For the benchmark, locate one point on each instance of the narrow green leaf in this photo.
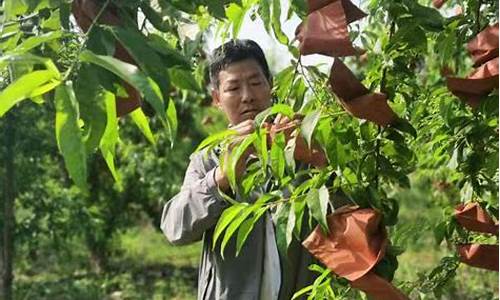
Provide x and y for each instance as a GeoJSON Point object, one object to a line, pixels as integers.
{"type": "Point", "coordinates": [154, 17]}
{"type": "Point", "coordinates": [246, 227]}
{"type": "Point", "coordinates": [235, 224]}
{"type": "Point", "coordinates": [225, 219]}
{"type": "Point", "coordinates": [275, 109]}
{"type": "Point", "coordinates": [183, 79]}
{"type": "Point", "coordinates": [216, 138]}
{"type": "Point", "coordinates": [302, 291]}
{"type": "Point", "coordinates": [172, 121]}
{"type": "Point", "coordinates": [110, 136]}
{"type": "Point", "coordinates": [137, 45]}
{"type": "Point", "coordinates": [142, 123]}
{"type": "Point", "coordinates": [235, 156]}
{"type": "Point", "coordinates": [68, 135]}
{"type": "Point", "coordinates": [281, 225]}
{"type": "Point", "coordinates": [131, 74]}
{"type": "Point", "coordinates": [12, 8]}
{"type": "Point", "coordinates": [27, 58]}
{"type": "Point", "coordinates": [308, 125]}
{"type": "Point", "coordinates": [404, 126]}
{"type": "Point", "coordinates": [171, 56]}
{"type": "Point", "coordinates": [45, 88]}
{"type": "Point", "coordinates": [265, 14]}
{"type": "Point", "coordinates": [23, 88]}
{"type": "Point", "coordinates": [236, 15]}
{"type": "Point", "coordinates": [260, 145]}
{"type": "Point", "coordinates": [317, 202]}
{"type": "Point", "coordinates": [35, 41]}
{"type": "Point", "coordinates": [276, 22]}
{"type": "Point", "coordinates": [278, 156]}
{"type": "Point", "coordinates": [290, 225]}
{"type": "Point", "coordinates": [298, 206]}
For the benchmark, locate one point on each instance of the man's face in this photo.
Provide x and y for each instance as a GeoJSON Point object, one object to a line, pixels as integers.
{"type": "Point", "coordinates": [243, 91]}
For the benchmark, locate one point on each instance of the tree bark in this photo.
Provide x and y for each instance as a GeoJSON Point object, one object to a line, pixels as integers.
{"type": "Point", "coordinates": [7, 245]}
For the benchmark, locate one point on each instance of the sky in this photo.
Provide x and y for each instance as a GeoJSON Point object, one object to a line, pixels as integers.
{"type": "Point", "coordinates": [276, 53]}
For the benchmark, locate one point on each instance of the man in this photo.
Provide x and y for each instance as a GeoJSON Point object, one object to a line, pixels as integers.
{"type": "Point", "coordinates": [241, 88]}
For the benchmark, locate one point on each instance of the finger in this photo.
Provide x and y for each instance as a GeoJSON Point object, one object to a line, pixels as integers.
{"type": "Point", "coordinates": [277, 120]}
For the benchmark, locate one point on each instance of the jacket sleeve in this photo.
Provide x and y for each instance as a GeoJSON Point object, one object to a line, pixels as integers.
{"type": "Point", "coordinates": [195, 208]}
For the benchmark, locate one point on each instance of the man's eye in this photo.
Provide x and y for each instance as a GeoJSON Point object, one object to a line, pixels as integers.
{"type": "Point", "coordinates": [232, 88]}
{"type": "Point", "coordinates": [256, 83]}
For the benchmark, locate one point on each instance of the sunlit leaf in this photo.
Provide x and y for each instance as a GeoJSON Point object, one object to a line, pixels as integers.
{"type": "Point", "coordinates": [24, 87]}
{"type": "Point", "coordinates": [68, 135]}
{"type": "Point", "coordinates": [246, 227]}
{"type": "Point", "coordinates": [309, 124]}
{"type": "Point", "coordinates": [317, 202]}
{"type": "Point", "coordinates": [110, 136]}
{"type": "Point", "coordinates": [142, 123]}
{"type": "Point", "coordinates": [131, 74]}
{"type": "Point", "coordinates": [225, 219]}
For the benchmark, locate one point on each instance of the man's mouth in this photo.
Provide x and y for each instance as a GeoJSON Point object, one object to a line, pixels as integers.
{"type": "Point", "coordinates": [250, 111]}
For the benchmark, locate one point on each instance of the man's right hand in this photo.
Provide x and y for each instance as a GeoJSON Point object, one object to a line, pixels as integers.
{"type": "Point", "coordinates": [243, 129]}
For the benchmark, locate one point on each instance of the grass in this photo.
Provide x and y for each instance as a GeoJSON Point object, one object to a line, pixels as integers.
{"type": "Point", "coordinates": [144, 245]}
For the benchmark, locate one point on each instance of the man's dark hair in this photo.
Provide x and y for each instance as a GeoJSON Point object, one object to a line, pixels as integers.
{"type": "Point", "coordinates": [235, 51]}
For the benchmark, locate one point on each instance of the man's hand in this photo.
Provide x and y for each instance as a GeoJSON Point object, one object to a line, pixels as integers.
{"type": "Point", "coordinates": [314, 156]}
{"type": "Point", "coordinates": [243, 129]}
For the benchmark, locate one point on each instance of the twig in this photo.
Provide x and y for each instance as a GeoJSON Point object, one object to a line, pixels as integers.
{"type": "Point", "coordinates": [85, 36]}
{"type": "Point", "coordinates": [293, 79]}
{"type": "Point", "coordinates": [307, 80]}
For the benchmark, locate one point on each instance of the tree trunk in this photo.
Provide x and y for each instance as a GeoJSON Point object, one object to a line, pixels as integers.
{"type": "Point", "coordinates": [7, 245]}
{"type": "Point", "coordinates": [96, 243]}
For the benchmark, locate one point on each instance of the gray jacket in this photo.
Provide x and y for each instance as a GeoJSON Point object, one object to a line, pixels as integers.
{"type": "Point", "coordinates": [257, 273]}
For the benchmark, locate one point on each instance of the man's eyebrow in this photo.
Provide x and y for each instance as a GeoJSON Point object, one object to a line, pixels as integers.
{"type": "Point", "coordinates": [254, 75]}
{"type": "Point", "coordinates": [229, 81]}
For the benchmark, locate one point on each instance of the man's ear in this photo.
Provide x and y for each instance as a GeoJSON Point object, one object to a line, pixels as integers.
{"type": "Point", "coordinates": [215, 97]}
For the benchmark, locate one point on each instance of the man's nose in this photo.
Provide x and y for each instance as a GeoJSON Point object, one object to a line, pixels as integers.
{"type": "Point", "coordinates": [247, 94]}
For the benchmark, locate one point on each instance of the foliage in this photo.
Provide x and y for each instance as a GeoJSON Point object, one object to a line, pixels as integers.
{"type": "Point", "coordinates": [74, 79]}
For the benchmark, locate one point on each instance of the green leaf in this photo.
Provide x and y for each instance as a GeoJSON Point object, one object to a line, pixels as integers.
{"type": "Point", "coordinates": [225, 219]}
{"type": "Point", "coordinates": [12, 8]}
{"type": "Point", "coordinates": [290, 225]}
{"type": "Point", "coordinates": [235, 14]}
{"type": "Point", "coordinates": [171, 56]}
{"type": "Point", "coordinates": [154, 17]}
{"type": "Point", "coordinates": [35, 41]}
{"type": "Point", "coordinates": [404, 126]}
{"type": "Point", "coordinates": [24, 87]}
{"type": "Point", "coordinates": [302, 291]}
{"type": "Point", "coordinates": [265, 14]}
{"type": "Point", "coordinates": [45, 88]}
{"type": "Point", "coordinates": [282, 214]}
{"type": "Point", "coordinates": [246, 227]}
{"type": "Point", "coordinates": [68, 135]}
{"type": "Point", "coordinates": [260, 145]}
{"type": "Point", "coordinates": [110, 136]}
{"type": "Point", "coordinates": [309, 124]}
{"type": "Point", "coordinates": [235, 156]}
{"type": "Point", "coordinates": [172, 121]}
{"type": "Point", "coordinates": [216, 138]}
{"type": "Point", "coordinates": [142, 123]}
{"type": "Point", "coordinates": [235, 224]}
{"type": "Point", "coordinates": [276, 22]}
{"type": "Point", "coordinates": [278, 155]}
{"type": "Point", "coordinates": [298, 206]}
{"type": "Point", "coordinates": [16, 58]}
{"type": "Point", "coordinates": [131, 74]}
{"type": "Point", "coordinates": [183, 79]}
{"type": "Point", "coordinates": [317, 202]}
{"type": "Point", "coordinates": [137, 45]}
{"type": "Point", "coordinates": [275, 109]}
